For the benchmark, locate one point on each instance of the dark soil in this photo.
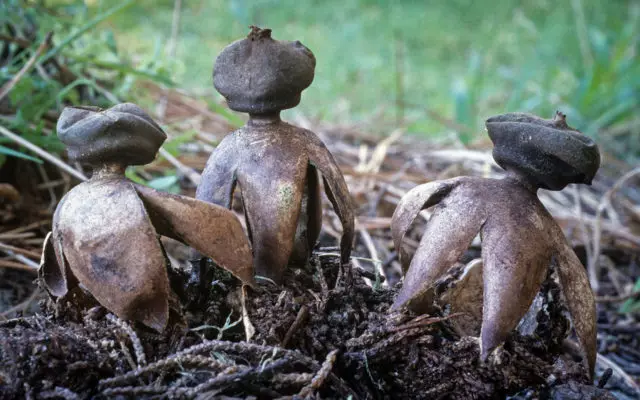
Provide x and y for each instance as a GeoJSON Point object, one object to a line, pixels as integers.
{"type": "Point", "coordinates": [325, 335]}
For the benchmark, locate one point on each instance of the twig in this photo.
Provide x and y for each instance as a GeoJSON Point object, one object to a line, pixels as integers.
{"type": "Point", "coordinates": [583, 227]}
{"type": "Point", "coordinates": [23, 43]}
{"type": "Point", "coordinates": [424, 320]}
{"type": "Point", "coordinates": [617, 299]}
{"type": "Point", "coordinates": [127, 355]}
{"type": "Point", "coordinates": [49, 157]}
{"type": "Point", "coordinates": [21, 306]}
{"type": "Point", "coordinates": [32, 225]}
{"type": "Point", "coordinates": [27, 66]}
{"type": "Point", "coordinates": [323, 281]}
{"type": "Point", "coordinates": [249, 329]}
{"type": "Point", "coordinates": [175, 28]}
{"type": "Point", "coordinates": [161, 107]}
{"type": "Point", "coordinates": [618, 371]}
{"type": "Point", "coordinates": [163, 365]}
{"type": "Point", "coordinates": [592, 267]}
{"type": "Point", "coordinates": [620, 328]}
{"type": "Point", "coordinates": [135, 341]}
{"type": "Point", "coordinates": [26, 261]}
{"type": "Point", "coordinates": [53, 200]}
{"type": "Point", "coordinates": [300, 320]}
{"type": "Point", "coordinates": [17, 265]}
{"type": "Point", "coordinates": [18, 250]}
{"type": "Point", "coordinates": [368, 242]}
{"type": "Point", "coordinates": [320, 376]}
{"type": "Point", "coordinates": [57, 393]}
{"type": "Point", "coordinates": [189, 172]}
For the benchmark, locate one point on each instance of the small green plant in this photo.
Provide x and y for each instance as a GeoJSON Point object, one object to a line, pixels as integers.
{"type": "Point", "coordinates": [633, 304]}
{"type": "Point", "coordinates": [81, 64]}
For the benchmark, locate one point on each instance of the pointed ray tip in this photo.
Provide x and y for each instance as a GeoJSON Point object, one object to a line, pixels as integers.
{"type": "Point", "coordinates": [156, 320]}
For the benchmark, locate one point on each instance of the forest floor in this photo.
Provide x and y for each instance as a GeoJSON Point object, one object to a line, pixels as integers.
{"type": "Point", "coordinates": [327, 333]}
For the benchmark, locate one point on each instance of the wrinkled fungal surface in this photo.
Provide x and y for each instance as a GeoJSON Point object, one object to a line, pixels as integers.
{"type": "Point", "coordinates": [105, 230]}
{"type": "Point", "coordinates": [275, 165]}
{"type": "Point", "coordinates": [520, 239]}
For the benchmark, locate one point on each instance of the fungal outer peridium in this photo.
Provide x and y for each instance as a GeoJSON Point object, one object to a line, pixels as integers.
{"type": "Point", "coordinates": [105, 231]}
{"type": "Point", "coordinates": [274, 164]}
{"type": "Point", "coordinates": [520, 239]}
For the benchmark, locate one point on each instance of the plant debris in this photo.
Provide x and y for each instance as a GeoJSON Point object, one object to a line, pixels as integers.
{"type": "Point", "coordinates": [347, 346]}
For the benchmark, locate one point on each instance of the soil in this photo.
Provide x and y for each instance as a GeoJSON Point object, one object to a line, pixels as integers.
{"type": "Point", "coordinates": [326, 334]}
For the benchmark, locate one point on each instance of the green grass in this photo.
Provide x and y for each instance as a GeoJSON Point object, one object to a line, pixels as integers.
{"type": "Point", "coordinates": [461, 59]}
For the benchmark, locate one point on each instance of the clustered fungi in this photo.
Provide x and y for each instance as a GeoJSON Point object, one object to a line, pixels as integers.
{"type": "Point", "coordinates": [105, 230]}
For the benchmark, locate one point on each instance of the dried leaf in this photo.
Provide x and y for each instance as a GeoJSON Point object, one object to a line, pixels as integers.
{"type": "Point", "coordinates": [210, 229]}
{"type": "Point", "coordinates": [113, 250]}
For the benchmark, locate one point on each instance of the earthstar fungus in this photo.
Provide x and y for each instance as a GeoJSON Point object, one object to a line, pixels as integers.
{"type": "Point", "coordinates": [274, 164]}
{"type": "Point", "coordinates": [520, 239]}
{"type": "Point", "coordinates": [105, 231]}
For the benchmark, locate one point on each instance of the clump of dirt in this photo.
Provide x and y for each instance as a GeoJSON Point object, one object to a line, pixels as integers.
{"type": "Point", "coordinates": [326, 334]}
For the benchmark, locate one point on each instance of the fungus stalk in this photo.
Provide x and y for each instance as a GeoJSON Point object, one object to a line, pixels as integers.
{"type": "Point", "coordinates": [109, 170]}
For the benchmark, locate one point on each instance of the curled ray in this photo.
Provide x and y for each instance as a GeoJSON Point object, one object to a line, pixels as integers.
{"type": "Point", "coordinates": [414, 201]}
{"type": "Point", "coordinates": [448, 234]}
{"type": "Point", "coordinates": [50, 272]}
{"type": "Point", "coordinates": [335, 188]}
{"type": "Point", "coordinates": [113, 250]}
{"type": "Point", "coordinates": [209, 228]}
{"type": "Point", "coordinates": [577, 291]}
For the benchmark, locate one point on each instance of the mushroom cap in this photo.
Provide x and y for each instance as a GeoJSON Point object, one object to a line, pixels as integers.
{"type": "Point", "coordinates": [260, 75]}
{"type": "Point", "coordinates": [123, 134]}
{"type": "Point", "coordinates": [548, 152]}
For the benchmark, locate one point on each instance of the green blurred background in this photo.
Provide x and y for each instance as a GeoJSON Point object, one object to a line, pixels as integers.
{"type": "Point", "coordinates": [437, 68]}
